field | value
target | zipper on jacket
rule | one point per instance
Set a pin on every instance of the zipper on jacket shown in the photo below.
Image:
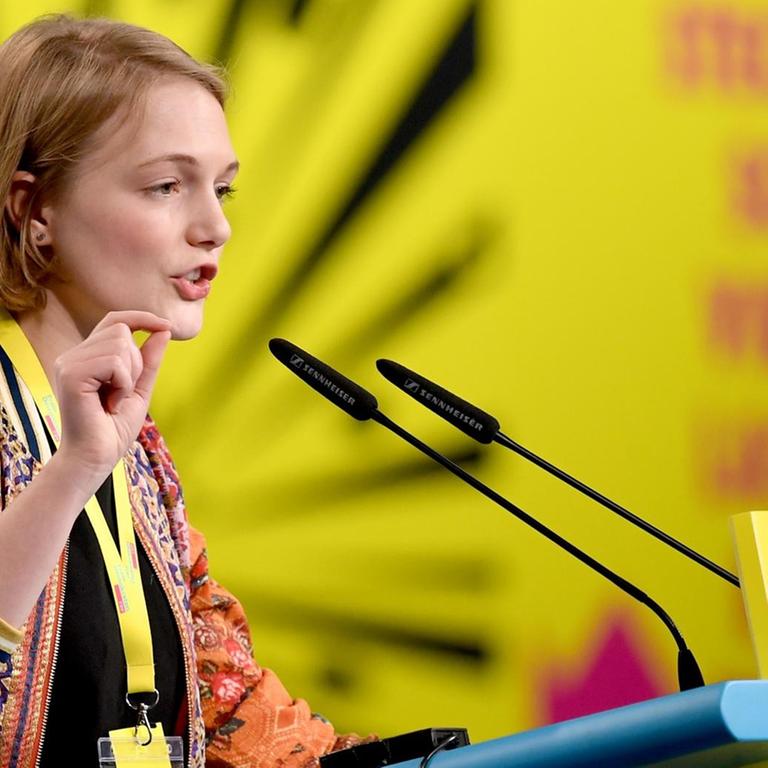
(54, 654)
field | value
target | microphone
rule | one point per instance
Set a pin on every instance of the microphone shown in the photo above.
(323, 379)
(339, 389)
(486, 429)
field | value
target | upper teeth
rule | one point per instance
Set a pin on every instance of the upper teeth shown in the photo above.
(193, 276)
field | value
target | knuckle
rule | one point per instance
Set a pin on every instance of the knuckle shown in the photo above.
(120, 331)
(106, 321)
(61, 367)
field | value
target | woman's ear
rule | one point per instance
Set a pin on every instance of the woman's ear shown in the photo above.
(20, 197)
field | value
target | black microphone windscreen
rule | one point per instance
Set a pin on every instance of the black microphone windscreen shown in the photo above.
(350, 397)
(468, 418)
(688, 673)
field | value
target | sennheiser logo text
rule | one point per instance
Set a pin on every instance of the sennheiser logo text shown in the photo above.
(327, 383)
(450, 410)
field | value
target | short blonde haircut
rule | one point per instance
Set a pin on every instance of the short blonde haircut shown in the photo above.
(61, 79)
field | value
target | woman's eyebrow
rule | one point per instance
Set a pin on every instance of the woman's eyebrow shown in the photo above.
(178, 157)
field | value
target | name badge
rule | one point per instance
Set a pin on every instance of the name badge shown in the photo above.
(122, 749)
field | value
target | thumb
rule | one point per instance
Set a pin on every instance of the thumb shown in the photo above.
(152, 351)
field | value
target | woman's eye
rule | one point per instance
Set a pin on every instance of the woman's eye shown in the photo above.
(166, 189)
(225, 192)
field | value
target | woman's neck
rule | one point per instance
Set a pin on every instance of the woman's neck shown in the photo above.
(51, 331)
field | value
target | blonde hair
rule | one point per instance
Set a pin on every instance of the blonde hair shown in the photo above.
(61, 79)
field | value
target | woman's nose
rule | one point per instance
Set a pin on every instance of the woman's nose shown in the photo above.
(208, 226)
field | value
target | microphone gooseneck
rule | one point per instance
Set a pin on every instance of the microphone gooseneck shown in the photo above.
(689, 674)
(486, 429)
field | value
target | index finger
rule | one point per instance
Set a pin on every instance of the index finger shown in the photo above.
(136, 320)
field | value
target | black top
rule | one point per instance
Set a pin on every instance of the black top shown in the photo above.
(89, 682)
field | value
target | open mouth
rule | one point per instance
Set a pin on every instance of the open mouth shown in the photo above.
(195, 284)
(206, 272)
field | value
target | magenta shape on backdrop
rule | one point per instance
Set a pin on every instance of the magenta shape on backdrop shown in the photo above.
(617, 674)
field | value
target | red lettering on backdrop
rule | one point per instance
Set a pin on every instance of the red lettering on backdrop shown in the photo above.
(721, 45)
(733, 460)
(750, 200)
(738, 320)
(732, 453)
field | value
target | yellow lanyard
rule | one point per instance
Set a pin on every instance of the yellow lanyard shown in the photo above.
(123, 565)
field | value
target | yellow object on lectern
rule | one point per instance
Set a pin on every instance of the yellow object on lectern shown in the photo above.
(750, 534)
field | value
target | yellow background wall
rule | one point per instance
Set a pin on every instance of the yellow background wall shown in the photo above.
(567, 225)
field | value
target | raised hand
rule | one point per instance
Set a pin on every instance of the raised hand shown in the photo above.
(104, 385)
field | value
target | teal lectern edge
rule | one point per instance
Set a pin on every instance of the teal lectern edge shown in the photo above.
(719, 725)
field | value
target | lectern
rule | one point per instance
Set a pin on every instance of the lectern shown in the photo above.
(718, 726)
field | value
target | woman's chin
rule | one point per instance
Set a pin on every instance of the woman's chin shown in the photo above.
(183, 329)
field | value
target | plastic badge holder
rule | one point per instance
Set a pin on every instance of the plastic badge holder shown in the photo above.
(135, 755)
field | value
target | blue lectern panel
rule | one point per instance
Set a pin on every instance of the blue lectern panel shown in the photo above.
(721, 725)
